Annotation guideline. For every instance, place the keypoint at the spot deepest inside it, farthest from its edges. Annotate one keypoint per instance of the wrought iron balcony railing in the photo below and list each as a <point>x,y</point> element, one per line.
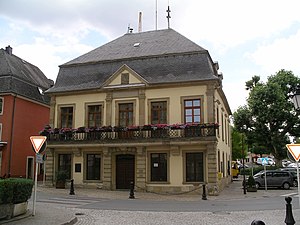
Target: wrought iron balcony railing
<point>129,133</point>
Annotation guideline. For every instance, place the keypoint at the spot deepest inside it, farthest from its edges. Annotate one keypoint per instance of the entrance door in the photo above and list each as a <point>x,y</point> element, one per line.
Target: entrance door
<point>124,171</point>
<point>30,168</point>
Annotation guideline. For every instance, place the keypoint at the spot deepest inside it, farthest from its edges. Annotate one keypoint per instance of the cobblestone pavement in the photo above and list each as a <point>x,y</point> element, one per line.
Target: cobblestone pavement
<point>49,213</point>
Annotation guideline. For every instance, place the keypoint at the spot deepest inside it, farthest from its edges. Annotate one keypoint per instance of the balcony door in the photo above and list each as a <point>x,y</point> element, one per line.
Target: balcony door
<point>124,171</point>
<point>125,114</point>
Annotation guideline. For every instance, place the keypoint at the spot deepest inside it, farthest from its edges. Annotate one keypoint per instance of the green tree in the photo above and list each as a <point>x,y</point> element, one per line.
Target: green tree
<point>269,118</point>
<point>238,143</point>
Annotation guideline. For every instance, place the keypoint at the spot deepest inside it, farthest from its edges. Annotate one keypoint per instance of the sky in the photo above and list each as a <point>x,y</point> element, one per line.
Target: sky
<point>247,38</point>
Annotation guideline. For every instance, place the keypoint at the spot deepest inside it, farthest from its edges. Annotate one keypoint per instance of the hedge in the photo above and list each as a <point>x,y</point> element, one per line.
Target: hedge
<point>256,169</point>
<point>15,190</point>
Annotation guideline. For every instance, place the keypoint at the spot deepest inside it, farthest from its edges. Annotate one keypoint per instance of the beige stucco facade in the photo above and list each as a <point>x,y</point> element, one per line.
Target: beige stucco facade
<point>216,149</point>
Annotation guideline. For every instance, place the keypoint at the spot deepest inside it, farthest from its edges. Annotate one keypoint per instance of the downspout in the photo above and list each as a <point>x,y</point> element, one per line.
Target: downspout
<point>11,136</point>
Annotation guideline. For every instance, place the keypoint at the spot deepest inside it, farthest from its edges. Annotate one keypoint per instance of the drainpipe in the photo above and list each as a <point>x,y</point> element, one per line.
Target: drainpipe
<point>11,136</point>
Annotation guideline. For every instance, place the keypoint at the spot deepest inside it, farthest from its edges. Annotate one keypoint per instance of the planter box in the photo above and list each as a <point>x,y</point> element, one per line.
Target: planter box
<point>8,211</point>
<point>20,208</point>
<point>60,184</point>
<point>251,189</point>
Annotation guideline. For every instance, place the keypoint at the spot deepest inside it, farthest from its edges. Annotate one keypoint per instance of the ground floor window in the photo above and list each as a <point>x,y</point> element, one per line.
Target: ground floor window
<point>64,163</point>
<point>159,167</point>
<point>194,167</point>
<point>93,162</point>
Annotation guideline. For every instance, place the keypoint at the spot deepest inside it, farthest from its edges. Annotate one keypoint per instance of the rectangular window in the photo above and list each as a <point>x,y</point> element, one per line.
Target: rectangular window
<point>93,162</point>
<point>94,116</point>
<point>192,111</point>
<point>194,167</point>
<point>125,114</point>
<point>66,117</point>
<point>64,163</point>
<point>1,105</point>
<point>159,167</point>
<point>159,112</point>
<point>218,120</point>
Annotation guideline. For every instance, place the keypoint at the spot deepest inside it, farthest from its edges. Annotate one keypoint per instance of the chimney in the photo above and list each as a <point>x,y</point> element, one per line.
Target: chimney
<point>8,50</point>
<point>140,22</point>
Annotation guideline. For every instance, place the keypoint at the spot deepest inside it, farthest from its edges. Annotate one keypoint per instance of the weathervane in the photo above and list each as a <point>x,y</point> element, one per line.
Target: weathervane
<point>168,16</point>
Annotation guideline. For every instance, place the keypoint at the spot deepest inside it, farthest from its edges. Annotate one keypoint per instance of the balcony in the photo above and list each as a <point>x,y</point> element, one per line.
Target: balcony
<point>146,133</point>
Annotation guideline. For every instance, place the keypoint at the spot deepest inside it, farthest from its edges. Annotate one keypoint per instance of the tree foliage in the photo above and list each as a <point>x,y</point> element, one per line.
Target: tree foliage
<point>238,144</point>
<point>269,118</point>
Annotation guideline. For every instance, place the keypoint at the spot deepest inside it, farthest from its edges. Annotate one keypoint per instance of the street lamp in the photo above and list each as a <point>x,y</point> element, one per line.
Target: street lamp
<point>244,174</point>
<point>296,98</point>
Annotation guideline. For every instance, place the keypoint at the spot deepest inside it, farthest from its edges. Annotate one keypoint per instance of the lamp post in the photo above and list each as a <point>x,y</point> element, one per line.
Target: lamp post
<point>244,175</point>
<point>296,101</point>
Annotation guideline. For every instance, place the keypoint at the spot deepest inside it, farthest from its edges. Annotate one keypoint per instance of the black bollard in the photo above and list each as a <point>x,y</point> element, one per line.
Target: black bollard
<point>257,222</point>
<point>131,194</point>
<point>289,219</point>
<point>204,192</point>
<point>72,188</point>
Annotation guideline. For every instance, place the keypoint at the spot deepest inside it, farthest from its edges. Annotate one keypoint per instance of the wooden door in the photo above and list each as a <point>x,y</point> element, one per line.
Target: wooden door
<point>124,171</point>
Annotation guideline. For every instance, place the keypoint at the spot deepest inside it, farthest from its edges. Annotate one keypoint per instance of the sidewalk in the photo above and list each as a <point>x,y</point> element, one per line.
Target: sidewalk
<point>232,191</point>
<point>60,215</point>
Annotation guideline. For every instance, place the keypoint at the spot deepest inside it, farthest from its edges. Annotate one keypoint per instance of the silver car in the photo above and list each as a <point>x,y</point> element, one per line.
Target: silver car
<point>275,178</point>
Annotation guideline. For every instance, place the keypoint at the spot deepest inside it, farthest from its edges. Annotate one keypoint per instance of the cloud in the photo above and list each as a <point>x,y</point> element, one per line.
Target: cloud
<point>77,16</point>
<point>47,56</point>
<point>228,24</point>
<point>246,37</point>
<point>282,53</point>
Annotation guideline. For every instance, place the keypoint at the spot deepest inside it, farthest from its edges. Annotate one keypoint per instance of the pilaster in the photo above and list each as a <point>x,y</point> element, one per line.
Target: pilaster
<point>49,166</point>
<point>108,107</point>
<point>142,114</point>
<point>107,169</point>
<point>52,111</point>
<point>210,103</point>
<point>141,167</point>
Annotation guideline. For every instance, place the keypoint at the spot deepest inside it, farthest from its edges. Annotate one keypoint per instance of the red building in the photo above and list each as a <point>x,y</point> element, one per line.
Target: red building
<point>24,110</point>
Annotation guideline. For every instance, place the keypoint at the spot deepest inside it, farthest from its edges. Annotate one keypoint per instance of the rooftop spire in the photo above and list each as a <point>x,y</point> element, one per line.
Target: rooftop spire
<point>168,16</point>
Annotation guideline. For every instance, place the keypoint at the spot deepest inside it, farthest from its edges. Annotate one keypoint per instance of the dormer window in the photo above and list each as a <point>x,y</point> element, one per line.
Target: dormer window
<point>125,78</point>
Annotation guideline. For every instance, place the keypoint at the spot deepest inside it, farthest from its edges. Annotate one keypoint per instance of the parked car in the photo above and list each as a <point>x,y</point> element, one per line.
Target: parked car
<point>294,172</point>
<point>286,162</point>
<point>271,161</point>
<point>235,169</point>
<point>275,178</point>
<point>259,161</point>
<point>293,165</point>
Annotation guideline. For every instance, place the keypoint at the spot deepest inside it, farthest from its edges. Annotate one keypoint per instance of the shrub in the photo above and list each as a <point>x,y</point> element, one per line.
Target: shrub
<point>62,175</point>
<point>256,169</point>
<point>251,181</point>
<point>15,190</point>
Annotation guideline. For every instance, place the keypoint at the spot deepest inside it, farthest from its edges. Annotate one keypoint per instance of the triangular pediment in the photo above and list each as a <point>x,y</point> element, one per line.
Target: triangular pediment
<point>124,77</point>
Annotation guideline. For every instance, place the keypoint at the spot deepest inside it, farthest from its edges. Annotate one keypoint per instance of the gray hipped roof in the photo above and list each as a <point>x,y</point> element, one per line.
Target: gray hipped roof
<point>22,78</point>
<point>151,43</point>
<point>161,56</point>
